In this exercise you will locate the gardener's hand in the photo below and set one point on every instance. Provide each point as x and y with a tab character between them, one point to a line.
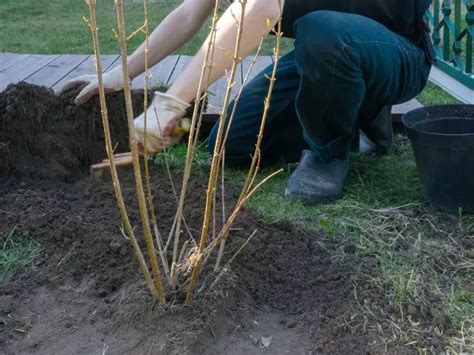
164	119
113	81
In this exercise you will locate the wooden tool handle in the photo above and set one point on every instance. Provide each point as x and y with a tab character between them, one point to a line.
119	156
126	160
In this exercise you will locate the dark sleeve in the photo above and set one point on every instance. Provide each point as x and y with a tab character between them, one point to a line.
401	16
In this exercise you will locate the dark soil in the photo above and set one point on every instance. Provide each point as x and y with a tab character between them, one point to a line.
44	137
47	137
86	295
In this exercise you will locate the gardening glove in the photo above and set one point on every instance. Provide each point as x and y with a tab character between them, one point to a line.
113	81
165	123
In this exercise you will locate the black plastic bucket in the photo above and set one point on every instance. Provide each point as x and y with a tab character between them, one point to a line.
442	138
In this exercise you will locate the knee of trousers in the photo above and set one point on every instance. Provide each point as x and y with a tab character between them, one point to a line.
321	35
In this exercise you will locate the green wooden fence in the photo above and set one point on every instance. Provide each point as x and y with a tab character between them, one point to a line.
452	23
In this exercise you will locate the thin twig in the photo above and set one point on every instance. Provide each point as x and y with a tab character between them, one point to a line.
222	246
136	163
224	142
216	156
226	267
110	151
224	233
191	142
254	167
239	94
149	191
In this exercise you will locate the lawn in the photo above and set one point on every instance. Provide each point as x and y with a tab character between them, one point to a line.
63	30
422	266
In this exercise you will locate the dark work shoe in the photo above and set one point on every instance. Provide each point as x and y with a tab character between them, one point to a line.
362	144
316	182
380	130
366	146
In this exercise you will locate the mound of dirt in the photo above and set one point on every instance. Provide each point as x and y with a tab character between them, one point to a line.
44	136
87	291
283	294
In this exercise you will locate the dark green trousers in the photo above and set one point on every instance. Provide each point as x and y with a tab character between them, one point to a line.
344	69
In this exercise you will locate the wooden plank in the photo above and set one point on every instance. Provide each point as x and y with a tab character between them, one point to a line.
159	74
24	68
454	87
86	67
260	64
56	70
183	63
399	110
218	90
9	59
216	95
180	66
114	63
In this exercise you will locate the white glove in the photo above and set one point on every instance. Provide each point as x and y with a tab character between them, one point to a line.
113	81
164	115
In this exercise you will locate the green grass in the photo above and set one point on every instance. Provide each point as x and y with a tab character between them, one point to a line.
419	253
57	27
374	183
16	254
176	157
434	95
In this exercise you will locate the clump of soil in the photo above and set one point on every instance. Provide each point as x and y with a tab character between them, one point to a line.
45	137
86	295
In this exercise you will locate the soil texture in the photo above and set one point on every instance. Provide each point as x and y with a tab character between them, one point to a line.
283	294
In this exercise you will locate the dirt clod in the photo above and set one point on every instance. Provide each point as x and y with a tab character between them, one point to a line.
412	310
439	320
115	246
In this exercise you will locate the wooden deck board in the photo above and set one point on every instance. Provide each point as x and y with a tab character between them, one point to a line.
9	59
260	64
179	67
216	95
218	89
24	68
399	110
86	67
159	74
54	71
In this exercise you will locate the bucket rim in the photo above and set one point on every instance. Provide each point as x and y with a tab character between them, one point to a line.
426	110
